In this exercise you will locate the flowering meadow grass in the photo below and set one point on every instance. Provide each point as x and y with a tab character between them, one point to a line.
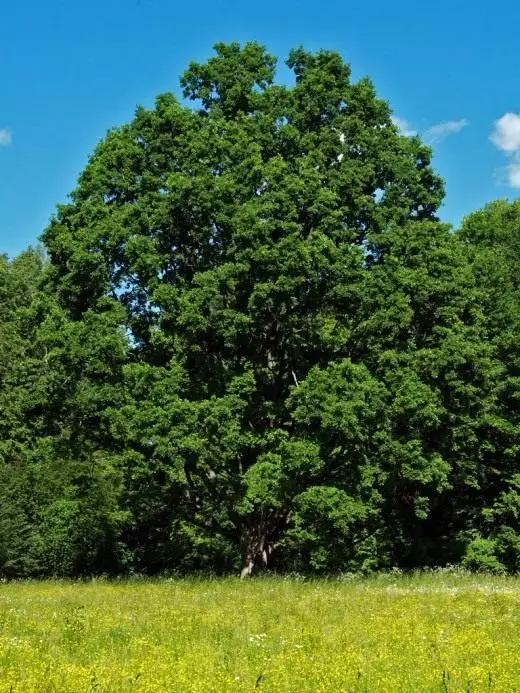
431	632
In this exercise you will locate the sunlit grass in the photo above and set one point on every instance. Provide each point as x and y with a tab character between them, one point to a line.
440	632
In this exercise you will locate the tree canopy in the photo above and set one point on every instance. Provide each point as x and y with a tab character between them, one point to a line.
251	342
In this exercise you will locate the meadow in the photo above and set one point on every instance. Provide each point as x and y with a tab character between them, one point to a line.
430	632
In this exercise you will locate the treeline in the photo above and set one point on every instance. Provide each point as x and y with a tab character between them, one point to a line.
247	341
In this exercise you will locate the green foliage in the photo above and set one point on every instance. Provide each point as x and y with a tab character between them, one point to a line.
235	238
480	555
251	343
490	237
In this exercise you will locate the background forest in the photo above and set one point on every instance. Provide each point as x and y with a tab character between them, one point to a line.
248	342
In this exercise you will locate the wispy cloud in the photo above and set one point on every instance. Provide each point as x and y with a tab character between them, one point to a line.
434	134
5	137
506	137
440	131
403	126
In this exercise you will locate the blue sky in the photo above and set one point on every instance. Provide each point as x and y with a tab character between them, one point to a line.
71	70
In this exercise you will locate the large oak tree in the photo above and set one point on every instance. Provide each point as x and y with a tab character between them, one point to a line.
305	367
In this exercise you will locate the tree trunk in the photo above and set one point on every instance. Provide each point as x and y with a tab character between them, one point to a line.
247	569
257	542
255	552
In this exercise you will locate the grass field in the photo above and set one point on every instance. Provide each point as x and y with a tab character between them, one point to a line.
439	632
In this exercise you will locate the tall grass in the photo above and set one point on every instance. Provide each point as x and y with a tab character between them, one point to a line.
438	632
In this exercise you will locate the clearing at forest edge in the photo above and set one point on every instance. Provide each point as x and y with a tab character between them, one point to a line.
440	632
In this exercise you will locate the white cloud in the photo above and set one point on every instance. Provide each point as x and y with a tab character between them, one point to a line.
438	132
506	137
513	175
506	133
5	137
403	126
